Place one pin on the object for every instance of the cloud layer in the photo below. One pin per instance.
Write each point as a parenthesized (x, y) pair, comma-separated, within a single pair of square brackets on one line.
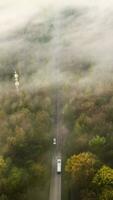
[(69, 40)]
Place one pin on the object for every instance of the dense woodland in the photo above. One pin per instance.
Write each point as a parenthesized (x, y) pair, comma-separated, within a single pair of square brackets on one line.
[(25, 143), (89, 148), (26, 128)]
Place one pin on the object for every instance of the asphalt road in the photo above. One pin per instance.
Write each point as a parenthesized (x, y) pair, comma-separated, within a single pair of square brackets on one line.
[(55, 187)]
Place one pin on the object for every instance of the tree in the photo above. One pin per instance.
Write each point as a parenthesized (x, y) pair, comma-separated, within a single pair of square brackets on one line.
[(88, 195), (81, 168), (3, 197), (38, 172), (3, 165), (104, 177), (43, 121), (107, 194), (15, 179), (103, 182), (82, 123), (97, 141), (97, 144)]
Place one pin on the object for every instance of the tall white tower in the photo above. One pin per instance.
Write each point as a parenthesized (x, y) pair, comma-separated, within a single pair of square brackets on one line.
[(16, 77)]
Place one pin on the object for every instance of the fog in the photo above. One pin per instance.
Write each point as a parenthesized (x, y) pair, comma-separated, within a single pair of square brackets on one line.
[(70, 40)]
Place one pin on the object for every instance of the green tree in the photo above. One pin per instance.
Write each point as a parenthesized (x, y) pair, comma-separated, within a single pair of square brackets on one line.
[(15, 178), (103, 177), (38, 172), (82, 123), (106, 194), (97, 141), (3, 197), (2, 164), (97, 144)]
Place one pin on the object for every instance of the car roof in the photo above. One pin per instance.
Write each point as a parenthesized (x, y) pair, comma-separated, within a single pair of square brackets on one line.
[(59, 159)]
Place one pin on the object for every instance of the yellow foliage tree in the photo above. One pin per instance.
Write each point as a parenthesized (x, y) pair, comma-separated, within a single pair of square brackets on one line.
[(81, 167)]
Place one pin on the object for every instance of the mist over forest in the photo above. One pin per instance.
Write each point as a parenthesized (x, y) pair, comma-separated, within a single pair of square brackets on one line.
[(62, 53), (76, 35)]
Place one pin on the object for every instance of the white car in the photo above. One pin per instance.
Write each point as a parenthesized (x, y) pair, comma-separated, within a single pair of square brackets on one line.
[(58, 165), (54, 140)]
